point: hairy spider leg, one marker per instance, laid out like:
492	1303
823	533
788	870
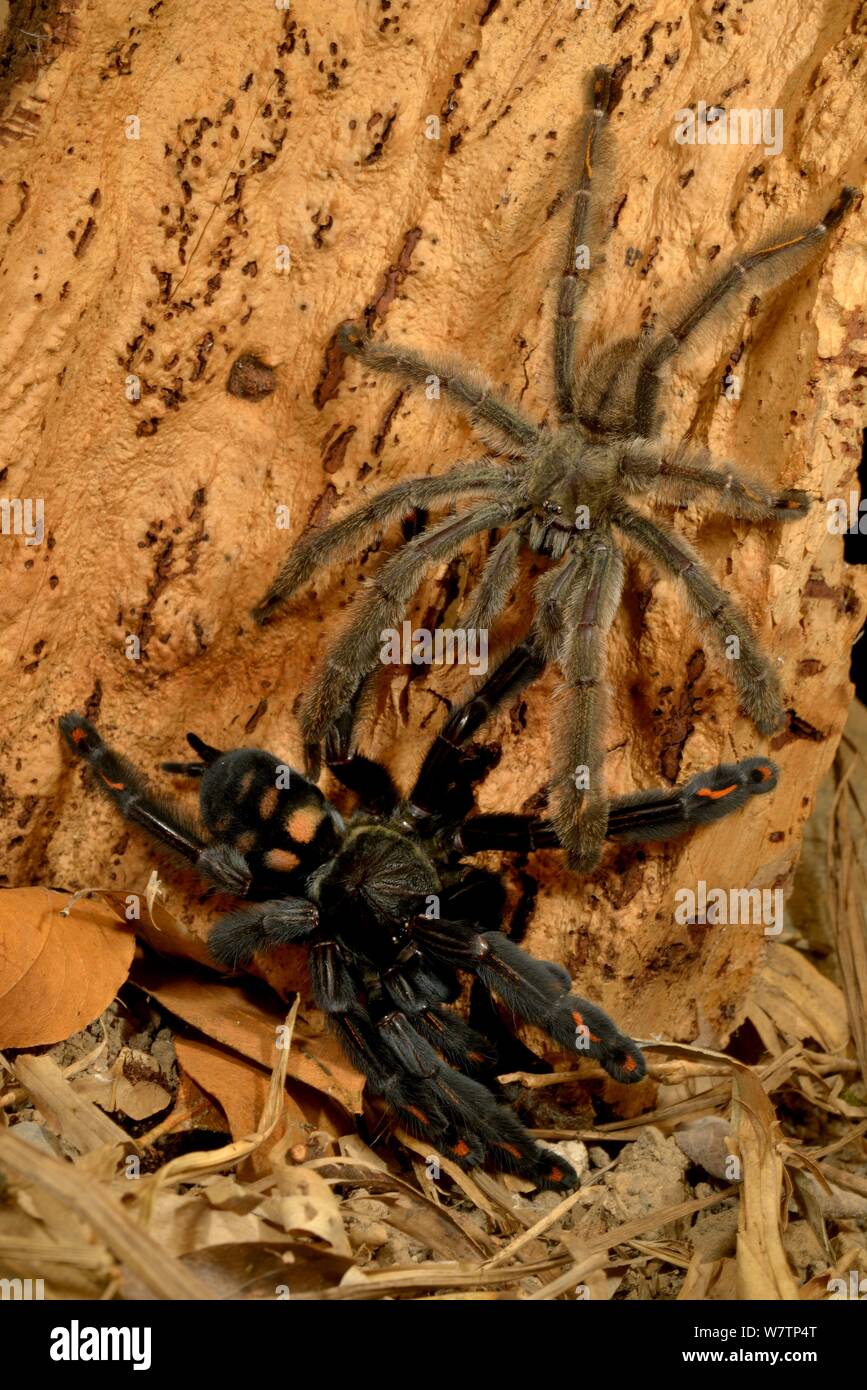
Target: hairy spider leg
370	781
643	816
128	789
382	606
752	673
496	420
578	799
534	991
257	831
479	476
456	1114
442	762
573	281
781	258
686	473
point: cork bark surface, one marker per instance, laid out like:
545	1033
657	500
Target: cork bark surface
282	180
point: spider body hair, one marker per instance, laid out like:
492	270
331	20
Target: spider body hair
392	916
564	493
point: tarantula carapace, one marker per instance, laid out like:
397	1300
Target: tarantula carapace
562	493
390	914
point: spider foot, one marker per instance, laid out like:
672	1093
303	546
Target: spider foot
838	209
791	505
80	734
226	867
535	990
352	337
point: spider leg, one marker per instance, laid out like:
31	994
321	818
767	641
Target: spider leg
382	606
707	797
497	579
552	591
260	927
496	420
578	799
207	755
643	815
416	990
445	766
683	475
752	674
533	990
473	1119
451	1110
573	282
781	258
125	786
364	523
370	781
441	764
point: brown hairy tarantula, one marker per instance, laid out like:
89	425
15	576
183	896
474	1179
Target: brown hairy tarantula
561	493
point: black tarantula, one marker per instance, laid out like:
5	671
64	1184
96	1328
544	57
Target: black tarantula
390	914
561	493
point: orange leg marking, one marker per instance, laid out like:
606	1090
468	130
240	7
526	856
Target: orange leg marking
715	796
510	1149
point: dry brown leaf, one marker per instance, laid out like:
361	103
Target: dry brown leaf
240	1088
42	1237
81	1123
232	1016
431	1225
578	1281
800	1001
139	1086
154	922
273	1269
704	1141
819	1286
123	1235
305	1204
187	1221
709	1279
847	870
762	1268
236	1084
809	1200
57	974
193	1166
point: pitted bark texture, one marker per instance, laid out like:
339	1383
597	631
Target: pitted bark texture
194	198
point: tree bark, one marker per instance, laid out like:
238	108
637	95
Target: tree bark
415	164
